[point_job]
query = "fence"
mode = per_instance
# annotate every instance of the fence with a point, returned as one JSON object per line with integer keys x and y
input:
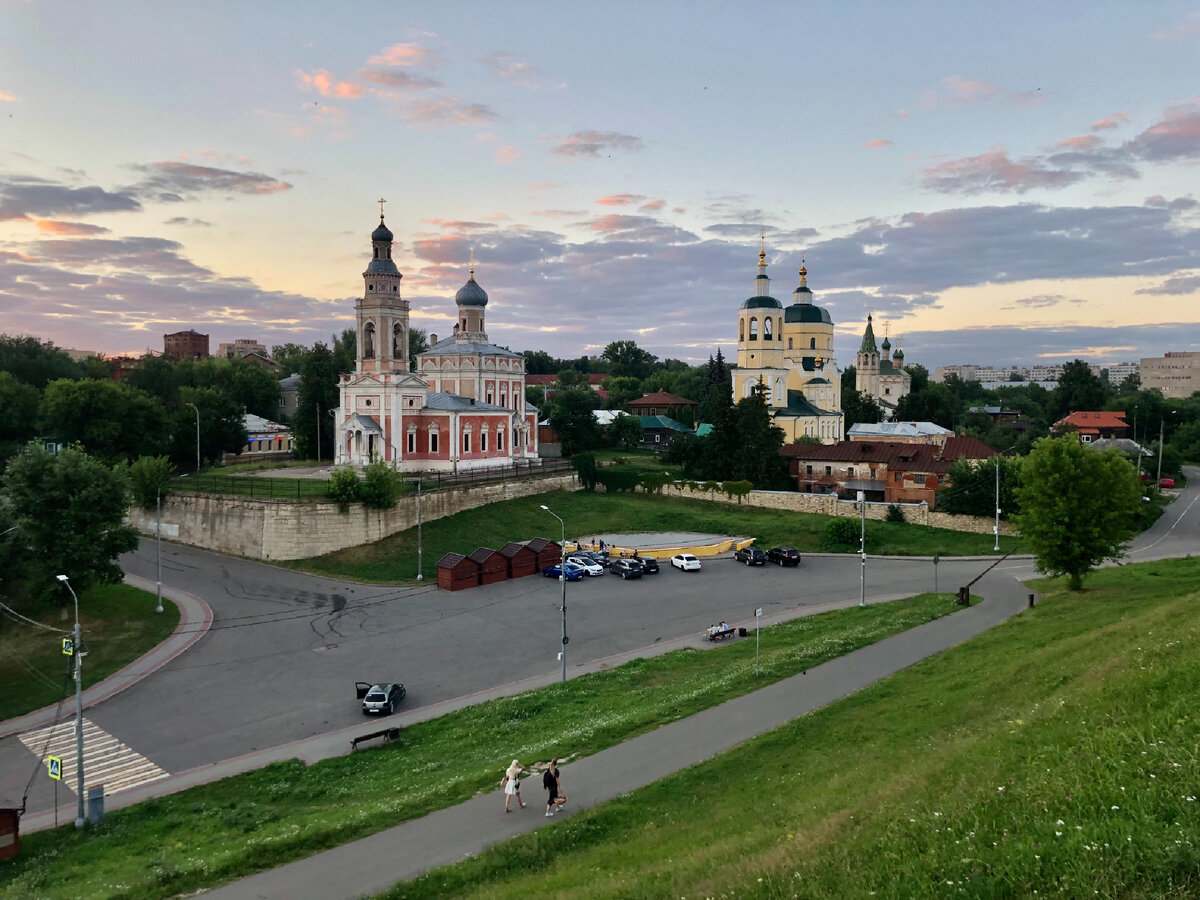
{"x": 257, "y": 488}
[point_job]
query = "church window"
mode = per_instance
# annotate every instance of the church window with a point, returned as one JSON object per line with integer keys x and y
{"x": 483, "y": 440}
{"x": 369, "y": 341}
{"x": 812, "y": 343}
{"x": 499, "y": 437}
{"x": 395, "y": 289}
{"x": 778, "y": 397}
{"x": 767, "y": 329}
{"x": 741, "y": 329}
{"x": 370, "y": 287}
{"x": 433, "y": 440}
{"x": 503, "y": 399}
{"x": 412, "y": 440}
{"x": 754, "y": 329}
{"x": 377, "y": 253}
{"x": 411, "y": 401}
{"x": 490, "y": 397}
{"x": 466, "y": 440}
{"x": 789, "y": 343}
{"x": 397, "y": 341}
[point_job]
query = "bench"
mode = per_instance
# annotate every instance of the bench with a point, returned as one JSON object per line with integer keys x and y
{"x": 720, "y": 635}
{"x": 388, "y": 735}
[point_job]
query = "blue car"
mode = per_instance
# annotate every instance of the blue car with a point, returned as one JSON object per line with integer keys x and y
{"x": 574, "y": 572}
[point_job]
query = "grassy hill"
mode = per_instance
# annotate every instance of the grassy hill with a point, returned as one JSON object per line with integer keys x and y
{"x": 1055, "y": 755}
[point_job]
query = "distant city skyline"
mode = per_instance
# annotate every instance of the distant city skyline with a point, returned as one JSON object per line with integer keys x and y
{"x": 1000, "y": 185}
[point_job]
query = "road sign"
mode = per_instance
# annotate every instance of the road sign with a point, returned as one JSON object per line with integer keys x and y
{"x": 68, "y": 646}
{"x": 54, "y": 767}
{"x": 758, "y": 612}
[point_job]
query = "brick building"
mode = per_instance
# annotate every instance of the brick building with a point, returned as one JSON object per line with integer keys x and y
{"x": 185, "y": 345}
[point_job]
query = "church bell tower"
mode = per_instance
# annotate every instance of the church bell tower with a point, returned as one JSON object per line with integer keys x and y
{"x": 381, "y": 313}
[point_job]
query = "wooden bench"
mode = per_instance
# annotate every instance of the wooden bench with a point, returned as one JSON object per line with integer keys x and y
{"x": 388, "y": 735}
{"x": 720, "y": 635}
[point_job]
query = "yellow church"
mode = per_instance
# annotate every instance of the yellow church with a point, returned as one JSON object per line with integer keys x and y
{"x": 789, "y": 352}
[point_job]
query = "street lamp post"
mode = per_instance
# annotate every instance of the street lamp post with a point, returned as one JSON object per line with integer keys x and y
{"x": 420, "y": 568}
{"x": 158, "y": 543}
{"x": 996, "y": 549}
{"x": 862, "y": 548}
{"x": 197, "y": 412}
{"x": 562, "y": 577}
{"x": 78, "y": 655}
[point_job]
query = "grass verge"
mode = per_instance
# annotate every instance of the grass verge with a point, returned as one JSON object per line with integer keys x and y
{"x": 1055, "y": 755}
{"x": 119, "y": 625}
{"x": 218, "y": 832}
{"x": 394, "y": 559}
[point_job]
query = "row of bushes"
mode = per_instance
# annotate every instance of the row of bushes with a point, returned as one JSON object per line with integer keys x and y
{"x": 379, "y": 487}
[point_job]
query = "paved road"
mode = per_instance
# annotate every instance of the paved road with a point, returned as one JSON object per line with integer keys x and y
{"x": 279, "y": 664}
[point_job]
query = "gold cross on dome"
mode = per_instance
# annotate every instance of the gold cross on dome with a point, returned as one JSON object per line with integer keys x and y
{"x": 381, "y": 202}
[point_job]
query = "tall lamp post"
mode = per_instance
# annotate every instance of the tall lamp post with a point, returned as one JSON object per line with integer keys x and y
{"x": 194, "y": 409}
{"x": 79, "y": 816}
{"x": 996, "y": 528}
{"x": 862, "y": 548}
{"x": 562, "y": 577}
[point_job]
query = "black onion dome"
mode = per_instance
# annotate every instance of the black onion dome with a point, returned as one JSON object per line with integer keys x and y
{"x": 807, "y": 313}
{"x": 471, "y": 294}
{"x": 382, "y": 233}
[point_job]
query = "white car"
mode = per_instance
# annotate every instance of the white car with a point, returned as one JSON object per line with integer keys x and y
{"x": 588, "y": 564}
{"x": 685, "y": 561}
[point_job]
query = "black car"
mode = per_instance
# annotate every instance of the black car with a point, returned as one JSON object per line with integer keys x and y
{"x": 649, "y": 565}
{"x": 785, "y": 556}
{"x": 600, "y": 558}
{"x": 626, "y": 568}
{"x": 751, "y": 556}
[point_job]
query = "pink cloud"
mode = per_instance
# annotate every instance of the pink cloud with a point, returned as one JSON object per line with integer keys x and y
{"x": 620, "y": 200}
{"x": 324, "y": 84}
{"x": 7, "y": 98}
{"x": 1176, "y": 136}
{"x": 878, "y": 142}
{"x": 1079, "y": 142}
{"x": 652, "y": 205}
{"x": 395, "y": 79}
{"x": 450, "y": 111}
{"x": 68, "y": 229}
{"x": 954, "y": 90}
{"x": 507, "y": 155}
{"x": 1109, "y": 121}
{"x": 594, "y": 143}
{"x": 405, "y": 55}
{"x": 995, "y": 171}
{"x": 1189, "y": 26}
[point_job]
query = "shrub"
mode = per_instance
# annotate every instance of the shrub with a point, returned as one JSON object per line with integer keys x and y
{"x": 380, "y": 485}
{"x": 616, "y": 479}
{"x": 841, "y": 534}
{"x": 344, "y": 487}
{"x": 652, "y": 481}
{"x": 585, "y": 467}
{"x": 736, "y": 490}
{"x": 146, "y": 475}
{"x": 895, "y": 514}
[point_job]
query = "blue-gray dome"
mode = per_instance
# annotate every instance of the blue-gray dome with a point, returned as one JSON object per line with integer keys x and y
{"x": 382, "y": 267}
{"x": 806, "y": 312}
{"x": 471, "y": 294}
{"x": 381, "y": 233}
{"x": 762, "y": 303}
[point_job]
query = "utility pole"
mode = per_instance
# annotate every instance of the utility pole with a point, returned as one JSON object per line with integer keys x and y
{"x": 420, "y": 570}
{"x": 862, "y": 549}
{"x": 1158, "y": 479}
{"x": 318, "y": 405}
{"x": 78, "y": 657}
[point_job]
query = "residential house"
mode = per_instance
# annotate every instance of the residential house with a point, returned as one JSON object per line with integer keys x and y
{"x": 1090, "y": 425}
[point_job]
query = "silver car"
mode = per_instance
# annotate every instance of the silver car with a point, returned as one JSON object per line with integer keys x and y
{"x": 382, "y": 698}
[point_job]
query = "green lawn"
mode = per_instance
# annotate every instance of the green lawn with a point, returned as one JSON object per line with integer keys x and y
{"x": 119, "y": 625}
{"x": 217, "y": 832}
{"x": 1055, "y": 755}
{"x": 394, "y": 559}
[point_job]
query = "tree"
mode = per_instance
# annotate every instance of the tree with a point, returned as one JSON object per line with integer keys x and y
{"x": 253, "y": 388}
{"x": 849, "y": 380}
{"x": 1078, "y": 389}
{"x": 621, "y": 389}
{"x": 918, "y": 376}
{"x": 156, "y": 376}
{"x": 317, "y": 395}
{"x": 722, "y": 443}
{"x": 573, "y": 420}
{"x": 859, "y": 406}
{"x": 626, "y": 431}
{"x": 148, "y": 477}
{"x": 288, "y": 357}
{"x": 628, "y": 359}
{"x": 1078, "y": 506}
{"x": 757, "y": 460}
{"x": 222, "y": 427}
{"x": 345, "y": 352}
{"x": 936, "y": 404}
{"x": 108, "y": 419}
{"x": 972, "y": 488}
{"x": 70, "y": 510}
{"x": 34, "y": 362}
{"x": 418, "y": 342}
{"x": 18, "y": 414}
{"x": 539, "y": 362}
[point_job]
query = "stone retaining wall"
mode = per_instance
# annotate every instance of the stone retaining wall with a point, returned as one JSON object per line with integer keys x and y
{"x": 830, "y": 505}
{"x": 287, "y": 529}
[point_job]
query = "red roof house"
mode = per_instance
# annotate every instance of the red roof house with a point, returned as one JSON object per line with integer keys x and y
{"x": 658, "y": 403}
{"x": 1091, "y": 426}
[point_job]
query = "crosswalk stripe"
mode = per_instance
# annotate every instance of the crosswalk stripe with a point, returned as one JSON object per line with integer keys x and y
{"x": 106, "y": 760}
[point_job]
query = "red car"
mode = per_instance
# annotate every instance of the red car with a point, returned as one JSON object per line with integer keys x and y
{"x": 1167, "y": 483}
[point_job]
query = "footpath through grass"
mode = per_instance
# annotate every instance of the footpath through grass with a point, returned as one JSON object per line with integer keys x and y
{"x": 119, "y": 624}
{"x": 394, "y": 559}
{"x": 217, "y": 832}
{"x": 1055, "y": 755}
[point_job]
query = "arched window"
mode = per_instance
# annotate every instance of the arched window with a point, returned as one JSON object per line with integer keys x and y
{"x": 397, "y": 341}
{"x": 741, "y": 329}
{"x": 377, "y": 253}
{"x": 748, "y": 387}
{"x": 789, "y": 343}
{"x": 499, "y": 437}
{"x": 812, "y": 343}
{"x": 433, "y": 439}
{"x": 777, "y": 399}
{"x": 767, "y": 328}
{"x": 369, "y": 341}
{"x": 754, "y": 329}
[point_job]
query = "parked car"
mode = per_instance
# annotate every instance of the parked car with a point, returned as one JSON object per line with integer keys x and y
{"x": 751, "y": 556}
{"x": 627, "y": 568}
{"x": 574, "y": 572}
{"x": 380, "y": 698}
{"x": 785, "y": 556}
{"x": 595, "y": 555}
{"x": 1167, "y": 483}
{"x": 589, "y": 565}
{"x": 686, "y": 562}
{"x": 649, "y": 565}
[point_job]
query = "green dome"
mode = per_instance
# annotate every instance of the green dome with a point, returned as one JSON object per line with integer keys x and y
{"x": 806, "y": 312}
{"x": 762, "y": 303}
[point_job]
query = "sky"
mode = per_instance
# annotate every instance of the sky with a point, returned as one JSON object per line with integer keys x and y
{"x": 996, "y": 183}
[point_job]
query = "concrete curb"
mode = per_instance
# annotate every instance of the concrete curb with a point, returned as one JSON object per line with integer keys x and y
{"x": 195, "y": 618}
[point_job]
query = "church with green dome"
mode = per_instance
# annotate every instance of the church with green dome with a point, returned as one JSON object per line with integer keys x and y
{"x": 787, "y": 352}
{"x": 881, "y": 374}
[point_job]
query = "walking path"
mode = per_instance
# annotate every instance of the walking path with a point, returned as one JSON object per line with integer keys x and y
{"x": 373, "y": 864}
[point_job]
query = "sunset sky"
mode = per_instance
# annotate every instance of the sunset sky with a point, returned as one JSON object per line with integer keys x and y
{"x": 998, "y": 183}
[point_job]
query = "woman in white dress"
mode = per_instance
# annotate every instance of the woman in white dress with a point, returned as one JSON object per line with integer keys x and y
{"x": 512, "y": 785}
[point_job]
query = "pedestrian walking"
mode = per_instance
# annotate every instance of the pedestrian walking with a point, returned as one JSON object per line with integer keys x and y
{"x": 512, "y": 784}
{"x": 550, "y": 783}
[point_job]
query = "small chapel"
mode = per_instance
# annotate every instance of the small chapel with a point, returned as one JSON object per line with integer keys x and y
{"x": 463, "y": 408}
{"x": 788, "y": 354}
{"x": 881, "y": 375}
